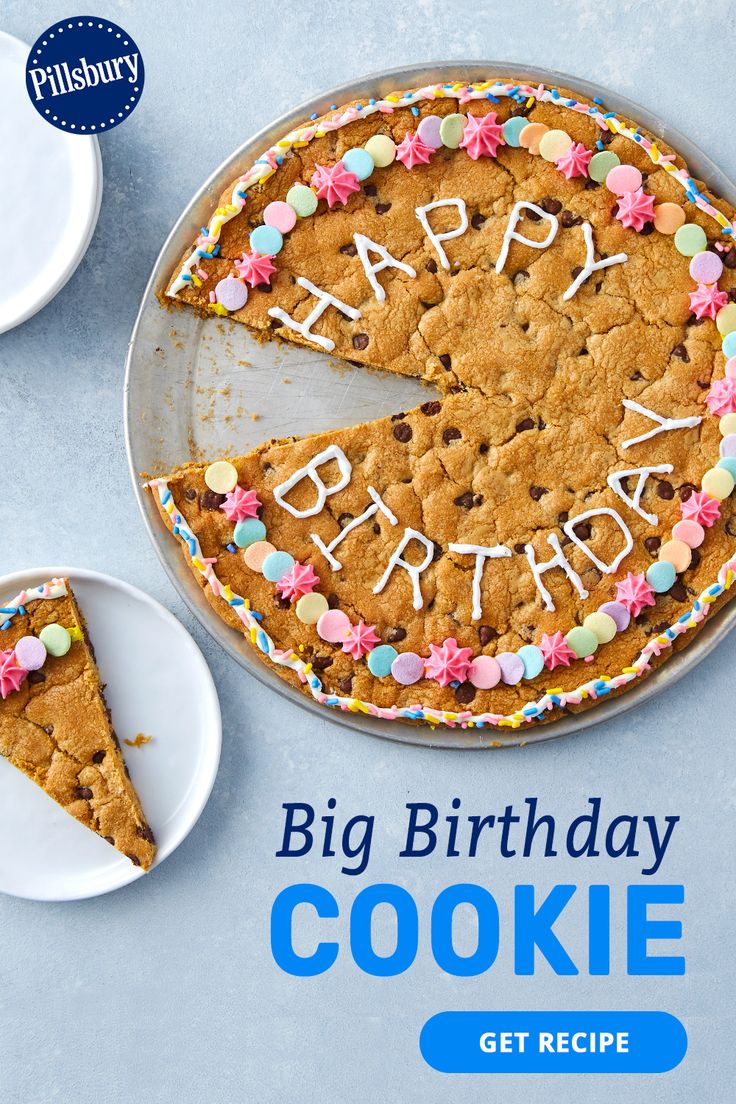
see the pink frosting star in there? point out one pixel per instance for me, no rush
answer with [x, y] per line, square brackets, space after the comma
[334, 183]
[240, 504]
[482, 136]
[702, 508]
[413, 151]
[360, 640]
[707, 300]
[299, 580]
[635, 593]
[574, 161]
[447, 662]
[11, 674]
[635, 209]
[556, 651]
[255, 269]
[721, 398]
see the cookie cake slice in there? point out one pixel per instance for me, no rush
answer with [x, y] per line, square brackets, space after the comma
[54, 723]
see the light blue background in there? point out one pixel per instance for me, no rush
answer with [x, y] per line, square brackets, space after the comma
[167, 991]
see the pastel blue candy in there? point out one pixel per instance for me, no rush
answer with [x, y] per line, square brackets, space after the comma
[661, 576]
[380, 660]
[512, 128]
[729, 463]
[360, 162]
[275, 566]
[729, 344]
[248, 532]
[266, 239]
[533, 660]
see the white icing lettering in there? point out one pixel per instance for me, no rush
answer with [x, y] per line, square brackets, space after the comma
[591, 265]
[309, 471]
[325, 300]
[602, 511]
[558, 560]
[413, 571]
[481, 553]
[437, 239]
[615, 480]
[376, 505]
[511, 234]
[364, 245]
[663, 424]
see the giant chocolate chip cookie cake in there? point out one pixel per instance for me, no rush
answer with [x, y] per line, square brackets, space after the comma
[551, 528]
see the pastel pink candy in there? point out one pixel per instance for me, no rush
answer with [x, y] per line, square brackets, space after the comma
[333, 626]
[280, 215]
[408, 668]
[231, 293]
[730, 368]
[690, 532]
[619, 613]
[512, 668]
[30, 653]
[484, 672]
[706, 267]
[623, 179]
[429, 131]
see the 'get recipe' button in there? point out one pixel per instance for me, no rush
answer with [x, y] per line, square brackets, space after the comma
[553, 1042]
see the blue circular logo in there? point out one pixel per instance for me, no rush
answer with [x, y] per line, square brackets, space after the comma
[84, 75]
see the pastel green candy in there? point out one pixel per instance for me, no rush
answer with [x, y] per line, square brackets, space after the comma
[532, 658]
[380, 660]
[55, 639]
[360, 162]
[729, 344]
[729, 463]
[582, 641]
[451, 130]
[248, 532]
[276, 565]
[661, 576]
[601, 164]
[601, 625]
[302, 199]
[512, 128]
[690, 239]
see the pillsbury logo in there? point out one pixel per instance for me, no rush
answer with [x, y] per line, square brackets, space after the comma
[84, 75]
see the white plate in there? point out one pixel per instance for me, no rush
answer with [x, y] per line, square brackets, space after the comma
[50, 195]
[157, 683]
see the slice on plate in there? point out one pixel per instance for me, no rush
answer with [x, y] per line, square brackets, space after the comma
[54, 723]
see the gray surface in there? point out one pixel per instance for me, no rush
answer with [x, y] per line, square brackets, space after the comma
[167, 990]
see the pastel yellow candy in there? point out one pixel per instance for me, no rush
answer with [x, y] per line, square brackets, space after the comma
[677, 553]
[727, 424]
[718, 483]
[221, 477]
[668, 217]
[310, 608]
[256, 553]
[531, 135]
[726, 319]
[554, 143]
[382, 149]
[601, 625]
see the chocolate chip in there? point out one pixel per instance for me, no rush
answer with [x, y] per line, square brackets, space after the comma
[275, 323]
[582, 530]
[465, 693]
[397, 417]
[465, 500]
[562, 517]
[333, 601]
[575, 272]
[590, 185]
[729, 258]
[660, 628]
[83, 793]
[483, 448]
[376, 528]
[695, 557]
[624, 483]
[551, 206]
[537, 492]
[680, 352]
[344, 519]
[677, 591]
[133, 858]
[477, 220]
[403, 432]
[210, 500]
[532, 215]
[451, 434]
[431, 266]
[320, 663]
[652, 545]
[345, 686]
[686, 490]
[98, 757]
[35, 677]
[518, 112]
[360, 341]
[647, 229]
[520, 549]
[350, 250]
[665, 490]
[190, 494]
[370, 189]
[144, 832]
[395, 635]
[486, 635]
[569, 219]
[636, 376]
[431, 408]
[382, 208]
[527, 423]
[446, 361]
[437, 555]
[281, 603]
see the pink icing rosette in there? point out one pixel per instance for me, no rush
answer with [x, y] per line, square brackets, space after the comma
[240, 504]
[413, 151]
[721, 398]
[12, 675]
[556, 651]
[334, 183]
[707, 300]
[360, 640]
[702, 508]
[634, 592]
[482, 136]
[447, 662]
[255, 269]
[300, 579]
[635, 209]
[574, 161]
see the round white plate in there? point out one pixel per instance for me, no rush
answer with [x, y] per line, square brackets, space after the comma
[157, 683]
[50, 195]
